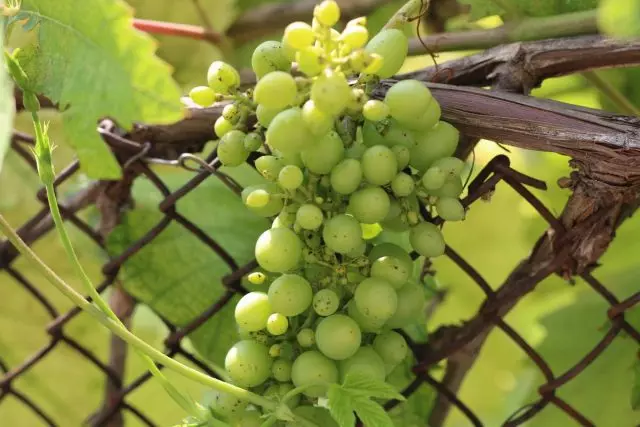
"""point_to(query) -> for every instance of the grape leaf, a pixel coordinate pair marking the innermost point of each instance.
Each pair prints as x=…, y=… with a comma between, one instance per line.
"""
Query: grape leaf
x=89, y=60
x=371, y=413
x=619, y=17
x=360, y=384
x=7, y=104
x=635, y=391
x=176, y=274
x=340, y=406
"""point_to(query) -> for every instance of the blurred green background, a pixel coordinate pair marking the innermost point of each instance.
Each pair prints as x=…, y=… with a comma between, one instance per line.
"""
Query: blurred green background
x=562, y=321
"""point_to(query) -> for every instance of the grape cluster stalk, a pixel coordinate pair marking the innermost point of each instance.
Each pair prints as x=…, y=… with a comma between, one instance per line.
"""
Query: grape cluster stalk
x=340, y=167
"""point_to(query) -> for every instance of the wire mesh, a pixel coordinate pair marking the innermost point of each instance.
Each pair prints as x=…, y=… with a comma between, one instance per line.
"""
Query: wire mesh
x=136, y=158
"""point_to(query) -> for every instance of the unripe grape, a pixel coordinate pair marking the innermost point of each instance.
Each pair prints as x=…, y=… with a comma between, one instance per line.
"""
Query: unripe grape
x=318, y=122
x=288, y=132
x=338, y=336
x=313, y=367
x=392, y=45
x=252, y=311
x=290, y=177
x=256, y=278
x=325, y=154
x=433, y=178
x=227, y=405
x=391, y=269
x=306, y=337
x=202, y=95
x=222, y=77
x=266, y=115
x=365, y=362
x=379, y=165
x=269, y=56
x=222, y=126
x=257, y=198
x=346, y=176
x=367, y=324
x=277, y=324
x=278, y=250
x=327, y=13
x=355, y=36
x=375, y=298
x=269, y=167
x=397, y=135
x=427, y=240
x=369, y=205
x=450, y=209
x=438, y=142
x=275, y=350
x=342, y=233
x=248, y=363
x=402, y=185
x=403, y=155
x=275, y=90
x=411, y=301
x=231, y=113
x=407, y=99
x=451, y=166
x=331, y=93
x=252, y=141
x=281, y=370
x=298, y=35
x=375, y=110
x=309, y=60
x=391, y=347
x=309, y=217
x=290, y=294
x=231, y=151
x=273, y=206
x=325, y=302
x=452, y=187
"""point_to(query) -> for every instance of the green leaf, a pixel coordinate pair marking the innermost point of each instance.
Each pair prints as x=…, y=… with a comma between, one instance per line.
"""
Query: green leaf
x=483, y=8
x=90, y=60
x=7, y=103
x=178, y=275
x=359, y=384
x=635, y=391
x=340, y=406
x=371, y=413
x=619, y=17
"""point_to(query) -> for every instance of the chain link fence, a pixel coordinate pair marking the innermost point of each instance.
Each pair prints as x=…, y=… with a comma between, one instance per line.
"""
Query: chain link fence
x=449, y=341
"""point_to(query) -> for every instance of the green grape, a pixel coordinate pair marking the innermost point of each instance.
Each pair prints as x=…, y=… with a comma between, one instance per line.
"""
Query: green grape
x=403, y=155
x=450, y=209
x=275, y=90
x=252, y=142
x=231, y=151
x=269, y=56
x=258, y=198
x=375, y=298
x=281, y=370
x=273, y=206
x=440, y=141
x=358, y=98
x=298, y=35
x=309, y=60
x=392, y=270
x=202, y=95
x=452, y=187
x=346, y=176
x=451, y=166
x=256, y=278
x=427, y=120
x=314, y=414
x=411, y=301
x=277, y=324
x=373, y=133
x=249, y=418
x=326, y=302
x=227, y=405
x=222, y=126
x=402, y=185
x=290, y=158
x=318, y=122
x=342, y=234
x=327, y=13
x=365, y=362
x=290, y=177
x=331, y=93
x=269, y=167
x=252, y=311
x=392, y=250
x=266, y=115
x=222, y=77
x=306, y=337
x=433, y=178
x=375, y=110
x=274, y=350
x=231, y=113
x=427, y=240
x=407, y=99
x=392, y=45
x=369, y=205
x=278, y=250
x=367, y=324
x=312, y=367
x=355, y=36
x=338, y=336
x=290, y=294
x=391, y=347
x=309, y=217
x=248, y=363
x=322, y=156
x=379, y=165
x=360, y=250
x=288, y=132
x=397, y=135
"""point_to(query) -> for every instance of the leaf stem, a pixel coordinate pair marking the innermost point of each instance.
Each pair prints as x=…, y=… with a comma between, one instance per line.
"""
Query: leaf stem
x=123, y=332
x=407, y=12
x=615, y=96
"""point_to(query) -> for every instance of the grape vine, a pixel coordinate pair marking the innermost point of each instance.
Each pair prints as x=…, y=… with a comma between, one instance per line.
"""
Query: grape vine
x=340, y=166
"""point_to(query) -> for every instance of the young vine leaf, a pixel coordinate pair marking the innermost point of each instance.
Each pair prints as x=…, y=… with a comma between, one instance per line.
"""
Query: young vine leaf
x=113, y=72
x=355, y=394
x=7, y=104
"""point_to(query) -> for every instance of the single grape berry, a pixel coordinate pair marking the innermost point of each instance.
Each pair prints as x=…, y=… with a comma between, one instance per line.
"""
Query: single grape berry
x=309, y=217
x=312, y=367
x=256, y=278
x=278, y=250
x=298, y=35
x=327, y=13
x=248, y=363
x=257, y=198
x=202, y=95
x=281, y=370
x=222, y=126
x=222, y=77
x=427, y=240
x=342, y=233
x=252, y=311
x=277, y=324
x=392, y=45
x=306, y=337
x=231, y=151
x=338, y=336
x=325, y=302
x=253, y=141
x=355, y=36
x=275, y=90
x=269, y=56
x=290, y=177
x=290, y=294
x=450, y=209
x=375, y=110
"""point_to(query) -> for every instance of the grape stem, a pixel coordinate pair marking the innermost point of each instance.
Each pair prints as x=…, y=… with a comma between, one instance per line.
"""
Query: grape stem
x=406, y=13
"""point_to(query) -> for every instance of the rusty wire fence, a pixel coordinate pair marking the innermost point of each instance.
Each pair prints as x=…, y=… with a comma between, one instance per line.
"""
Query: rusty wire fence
x=136, y=157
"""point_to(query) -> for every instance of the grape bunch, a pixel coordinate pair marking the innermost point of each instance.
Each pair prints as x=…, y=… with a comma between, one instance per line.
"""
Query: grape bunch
x=339, y=166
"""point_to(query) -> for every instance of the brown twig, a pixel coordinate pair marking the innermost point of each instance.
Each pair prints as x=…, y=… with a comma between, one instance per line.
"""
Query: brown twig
x=182, y=30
